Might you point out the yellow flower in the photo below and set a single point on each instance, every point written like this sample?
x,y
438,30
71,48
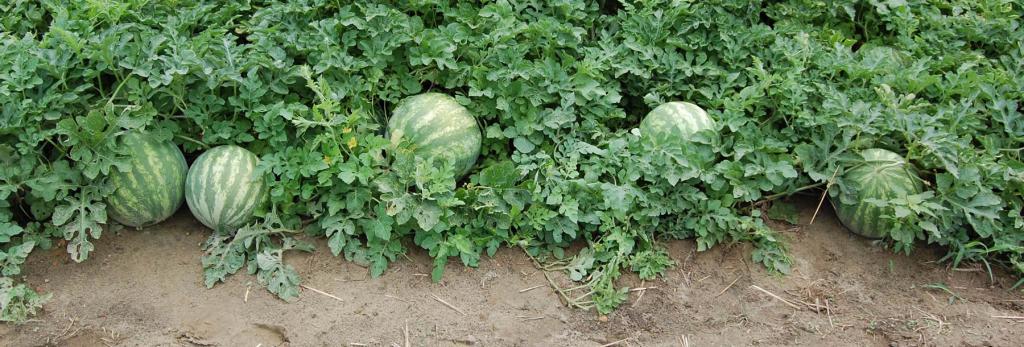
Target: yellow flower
x,y
346,130
352,143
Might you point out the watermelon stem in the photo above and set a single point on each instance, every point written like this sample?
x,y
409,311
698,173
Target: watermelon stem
x,y
189,139
791,192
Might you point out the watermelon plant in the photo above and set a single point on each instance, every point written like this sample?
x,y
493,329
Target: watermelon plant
x,y
153,186
525,124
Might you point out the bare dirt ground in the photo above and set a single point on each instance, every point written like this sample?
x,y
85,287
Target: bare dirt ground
x,y
144,288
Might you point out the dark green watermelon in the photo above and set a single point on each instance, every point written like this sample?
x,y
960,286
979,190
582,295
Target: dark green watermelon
x,y
880,175
153,187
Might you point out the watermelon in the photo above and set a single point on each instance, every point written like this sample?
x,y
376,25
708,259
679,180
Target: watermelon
x,y
436,126
153,186
674,121
223,189
882,175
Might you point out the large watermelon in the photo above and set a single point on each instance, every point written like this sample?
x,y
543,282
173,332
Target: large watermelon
x,y
880,175
675,121
223,189
437,126
153,187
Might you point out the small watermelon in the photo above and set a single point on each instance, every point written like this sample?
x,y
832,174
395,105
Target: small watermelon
x,y
223,190
153,187
437,126
880,175
675,121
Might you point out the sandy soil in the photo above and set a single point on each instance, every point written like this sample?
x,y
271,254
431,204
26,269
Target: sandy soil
x,y
144,288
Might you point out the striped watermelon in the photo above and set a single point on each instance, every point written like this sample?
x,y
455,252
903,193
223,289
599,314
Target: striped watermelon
x,y
223,190
674,121
153,187
436,125
881,175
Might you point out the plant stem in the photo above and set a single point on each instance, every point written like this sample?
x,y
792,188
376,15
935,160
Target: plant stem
x,y
189,139
779,195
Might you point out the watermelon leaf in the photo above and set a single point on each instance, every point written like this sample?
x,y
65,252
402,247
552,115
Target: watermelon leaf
x,y
80,219
18,302
781,210
261,246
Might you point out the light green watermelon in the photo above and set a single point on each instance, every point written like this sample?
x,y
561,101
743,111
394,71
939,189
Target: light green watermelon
x,y
437,126
223,190
153,187
675,121
881,175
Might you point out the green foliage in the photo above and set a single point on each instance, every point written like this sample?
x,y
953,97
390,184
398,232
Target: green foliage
x,y
784,211
795,87
257,246
18,301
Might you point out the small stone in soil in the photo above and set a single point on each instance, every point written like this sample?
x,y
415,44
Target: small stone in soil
x,y
469,340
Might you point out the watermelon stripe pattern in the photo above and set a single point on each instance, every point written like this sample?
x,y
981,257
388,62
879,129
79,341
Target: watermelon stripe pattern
x,y
436,125
675,120
882,175
223,190
153,188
